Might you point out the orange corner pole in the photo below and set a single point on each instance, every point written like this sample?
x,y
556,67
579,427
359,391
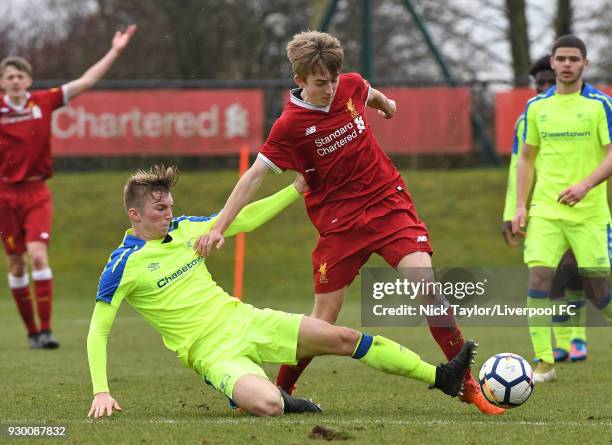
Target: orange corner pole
x,y
243,166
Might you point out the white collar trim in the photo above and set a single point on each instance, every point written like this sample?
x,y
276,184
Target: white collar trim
x,y
302,103
10,103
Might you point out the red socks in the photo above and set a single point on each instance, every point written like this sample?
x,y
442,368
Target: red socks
x,y
43,288
21,293
448,336
288,375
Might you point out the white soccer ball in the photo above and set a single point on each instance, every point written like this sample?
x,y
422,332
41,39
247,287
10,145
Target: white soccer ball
x,y
506,380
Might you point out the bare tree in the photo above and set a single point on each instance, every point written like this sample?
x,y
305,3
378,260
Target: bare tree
x,y
519,42
564,18
595,27
238,39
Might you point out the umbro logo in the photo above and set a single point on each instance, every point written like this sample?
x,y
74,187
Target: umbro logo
x,y
311,130
153,266
421,239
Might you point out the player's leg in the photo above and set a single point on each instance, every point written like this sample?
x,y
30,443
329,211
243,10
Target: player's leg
x,y
417,266
566,273
540,282
38,230
43,289
229,359
336,261
406,247
591,246
444,329
13,241
578,345
247,386
317,337
20,288
278,337
326,307
545,245
257,395
570,330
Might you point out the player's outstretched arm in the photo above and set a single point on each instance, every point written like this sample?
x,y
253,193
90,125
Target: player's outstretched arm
x,y
524,181
247,185
97,71
260,212
574,194
386,107
99,329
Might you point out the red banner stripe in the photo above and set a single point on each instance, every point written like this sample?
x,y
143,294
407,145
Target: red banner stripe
x,y
167,122
428,121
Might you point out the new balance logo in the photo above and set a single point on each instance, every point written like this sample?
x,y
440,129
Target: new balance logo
x,y
311,130
360,124
421,239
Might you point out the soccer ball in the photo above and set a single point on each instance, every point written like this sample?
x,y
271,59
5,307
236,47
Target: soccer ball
x,y
506,380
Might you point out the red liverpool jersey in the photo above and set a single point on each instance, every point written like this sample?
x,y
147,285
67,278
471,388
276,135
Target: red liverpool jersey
x,y
335,150
25,135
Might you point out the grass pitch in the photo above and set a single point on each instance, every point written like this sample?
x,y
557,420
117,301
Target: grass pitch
x,y
165,403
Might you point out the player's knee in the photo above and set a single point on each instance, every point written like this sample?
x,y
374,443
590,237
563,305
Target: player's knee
x,y
17,269
39,261
268,406
17,266
540,279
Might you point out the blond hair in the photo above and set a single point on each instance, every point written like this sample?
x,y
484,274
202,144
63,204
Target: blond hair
x,y
159,179
314,52
19,63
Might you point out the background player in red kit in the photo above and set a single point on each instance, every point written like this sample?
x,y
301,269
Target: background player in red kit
x,y
357,199
25,164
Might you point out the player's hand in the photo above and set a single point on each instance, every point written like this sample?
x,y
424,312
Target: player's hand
x,y
121,39
509,237
519,222
102,403
574,194
391,109
205,243
300,184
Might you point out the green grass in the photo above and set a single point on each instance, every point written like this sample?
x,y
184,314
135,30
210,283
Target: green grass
x,y
165,403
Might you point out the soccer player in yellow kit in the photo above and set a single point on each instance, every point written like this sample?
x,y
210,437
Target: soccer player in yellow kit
x,y
569,331
569,129
157,271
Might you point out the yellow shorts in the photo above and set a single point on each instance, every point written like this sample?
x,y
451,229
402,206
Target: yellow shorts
x,y
250,337
547,240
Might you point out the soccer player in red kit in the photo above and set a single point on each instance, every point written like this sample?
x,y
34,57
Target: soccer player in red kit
x,y
357,199
25,165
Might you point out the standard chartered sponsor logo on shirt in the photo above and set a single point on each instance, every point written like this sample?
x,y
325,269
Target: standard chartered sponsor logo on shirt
x,y
565,134
333,141
179,272
349,128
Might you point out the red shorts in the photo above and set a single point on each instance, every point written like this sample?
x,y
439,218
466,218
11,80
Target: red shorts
x,y
390,228
25,215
